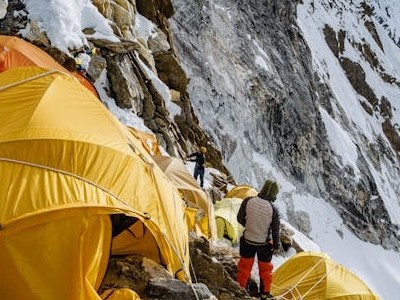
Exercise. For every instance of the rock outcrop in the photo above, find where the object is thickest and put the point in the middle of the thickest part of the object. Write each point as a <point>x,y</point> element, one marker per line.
<point>135,68</point>
<point>214,277</point>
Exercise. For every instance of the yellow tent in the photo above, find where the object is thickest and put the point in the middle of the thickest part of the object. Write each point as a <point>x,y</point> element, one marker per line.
<point>148,140</point>
<point>179,175</point>
<point>242,192</point>
<point>226,211</point>
<point>16,52</point>
<point>314,276</point>
<point>66,165</point>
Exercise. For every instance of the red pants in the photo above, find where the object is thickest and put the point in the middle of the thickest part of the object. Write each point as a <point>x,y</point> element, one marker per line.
<point>244,270</point>
<point>245,265</point>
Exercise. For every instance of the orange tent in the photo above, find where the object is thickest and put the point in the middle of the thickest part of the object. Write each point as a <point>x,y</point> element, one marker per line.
<point>16,52</point>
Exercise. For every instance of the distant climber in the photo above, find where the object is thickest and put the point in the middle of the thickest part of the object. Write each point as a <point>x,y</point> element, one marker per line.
<point>82,60</point>
<point>200,159</point>
<point>261,236</point>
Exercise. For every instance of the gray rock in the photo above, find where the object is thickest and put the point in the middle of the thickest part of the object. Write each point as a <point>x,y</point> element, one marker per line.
<point>252,80</point>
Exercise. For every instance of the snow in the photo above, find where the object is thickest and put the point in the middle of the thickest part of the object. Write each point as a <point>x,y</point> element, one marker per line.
<point>304,241</point>
<point>124,115</point>
<point>162,90</point>
<point>382,178</point>
<point>389,19</point>
<point>329,68</point>
<point>284,185</point>
<point>144,26</point>
<point>63,21</point>
<point>262,59</point>
<point>379,268</point>
<point>340,142</point>
<point>3,8</point>
<point>366,260</point>
<point>208,178</point>
<point>259,61</point>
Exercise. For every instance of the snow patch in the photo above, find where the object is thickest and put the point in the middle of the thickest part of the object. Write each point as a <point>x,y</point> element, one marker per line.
<point>3,8</point>
<point>63,22</point>
<point>340,142</point>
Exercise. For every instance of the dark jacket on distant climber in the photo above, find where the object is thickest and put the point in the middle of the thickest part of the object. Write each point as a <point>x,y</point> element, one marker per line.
<point>199,158</point>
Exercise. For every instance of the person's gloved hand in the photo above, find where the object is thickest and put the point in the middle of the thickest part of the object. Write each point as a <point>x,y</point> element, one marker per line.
<point>277,250</point>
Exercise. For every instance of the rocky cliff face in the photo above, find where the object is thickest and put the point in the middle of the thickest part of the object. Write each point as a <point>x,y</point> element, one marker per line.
<point>243,78</point>
<point>251,69</point>
<point>128,63</point>
<point>257,94</point>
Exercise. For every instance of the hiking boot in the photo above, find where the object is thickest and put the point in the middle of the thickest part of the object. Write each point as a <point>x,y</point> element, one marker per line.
<point>252,289</point>
<point>266,296</point>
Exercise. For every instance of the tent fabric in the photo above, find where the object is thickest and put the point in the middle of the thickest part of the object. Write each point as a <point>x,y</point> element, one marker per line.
<point>148,140</point>
<point>179,175</point>
<point>191,218</point>
<point>242,192</point>
<point>29,273</point>
<point>226,230</point>
<point>206,226</point>
<point>315,276</point>
<point>226,210</point>
<point>16,52</point>
<point>62,151</point>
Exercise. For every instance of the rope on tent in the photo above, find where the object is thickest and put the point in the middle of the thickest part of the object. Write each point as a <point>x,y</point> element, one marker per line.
<point>77,176</point>
<point>195,280</point>
<point>124,136</point>
<point>194,291</point>
<point>322,278</point>
<point>292,296</point>
<point>170,227</point>
<point>30,79</point>
<point>194,273</point>
<point>10,160</point>
<point>94,184</point>
<point>91,183</point>
<point>173,247</point>
<point>294,287</point>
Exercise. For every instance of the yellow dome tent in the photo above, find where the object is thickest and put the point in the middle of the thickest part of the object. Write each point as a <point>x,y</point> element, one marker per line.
<point>66,165</point>
<point>242,192</point>
<point>314,276</point>
<point>16,52</point>
<point>226,211</point>
<point>179,175</point>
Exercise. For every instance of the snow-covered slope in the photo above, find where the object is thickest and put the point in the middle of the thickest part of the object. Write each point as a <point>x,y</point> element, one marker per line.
<point>350,129</point>
<point>311,120</point>
<point>328,134</point>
